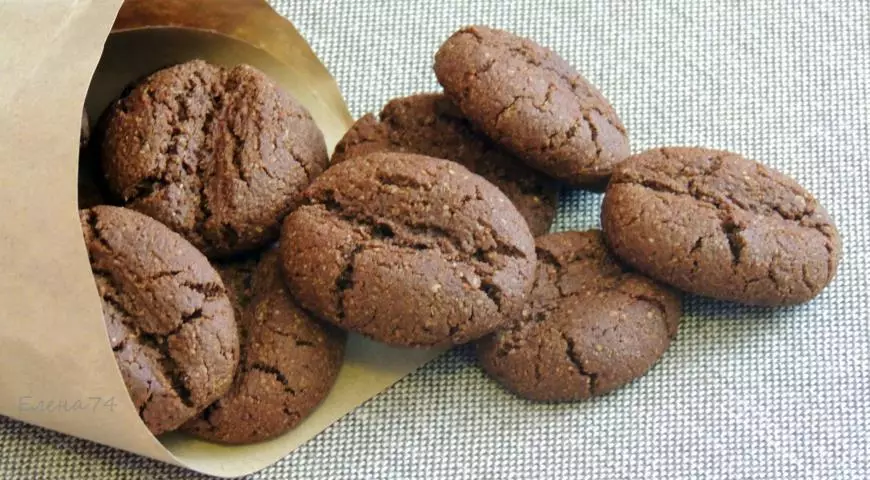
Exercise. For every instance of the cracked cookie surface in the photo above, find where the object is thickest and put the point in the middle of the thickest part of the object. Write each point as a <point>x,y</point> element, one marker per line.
<point>589,326</point>
<point>430,124</point>
<point>408,250</point>
<point>169,320</point>
<point>289,360</point>
<point>527,98</point>
<point>219,155</point>
<point>717,224</point>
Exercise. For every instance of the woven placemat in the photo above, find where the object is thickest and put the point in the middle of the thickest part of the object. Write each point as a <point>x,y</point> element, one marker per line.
<point>744,392</point>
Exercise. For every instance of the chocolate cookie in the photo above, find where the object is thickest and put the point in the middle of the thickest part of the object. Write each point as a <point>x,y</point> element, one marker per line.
<point>588,328</point>
<point>219,155</point>
<point>527,98</point>
<point>289,361</point>
<point>717,224</point>
<point>408,250</point>
<point>429,124</point>
<point>169,320</point>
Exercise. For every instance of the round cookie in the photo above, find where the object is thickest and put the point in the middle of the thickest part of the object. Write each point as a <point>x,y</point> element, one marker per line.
<point>408,250</point>
<point>588,328</point>
<point>219,155</point>
<point>429,124</point>
<point>527,98</point>
<point>169,320</point>
<point>714,223</point>
<point>289,361</point>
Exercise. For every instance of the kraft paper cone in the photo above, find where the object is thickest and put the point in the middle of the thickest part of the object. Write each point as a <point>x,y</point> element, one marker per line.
<point>56,367</point>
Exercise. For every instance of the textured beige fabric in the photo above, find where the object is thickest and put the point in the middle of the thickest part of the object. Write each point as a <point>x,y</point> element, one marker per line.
<point>744,392</point>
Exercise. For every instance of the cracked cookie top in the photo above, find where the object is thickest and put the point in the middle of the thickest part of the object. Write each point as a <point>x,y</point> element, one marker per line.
<point>429,124</point>
<point>408,250</point>
<point>589,326</point>
<point>717,224</point>
<point>219,155</point>
<point>169,320</point>
<point>288,365</point>
<point>527,98</point>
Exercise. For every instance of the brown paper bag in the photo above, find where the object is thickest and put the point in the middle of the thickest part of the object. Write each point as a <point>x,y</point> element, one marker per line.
<point>56,368</point>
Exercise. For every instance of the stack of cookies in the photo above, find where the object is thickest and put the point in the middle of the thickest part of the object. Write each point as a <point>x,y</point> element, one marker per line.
<point>237,256</point>
<point>198,166</point>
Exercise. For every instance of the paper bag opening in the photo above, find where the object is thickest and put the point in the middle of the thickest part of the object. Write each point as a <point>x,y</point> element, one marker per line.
<point>56,368</point>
